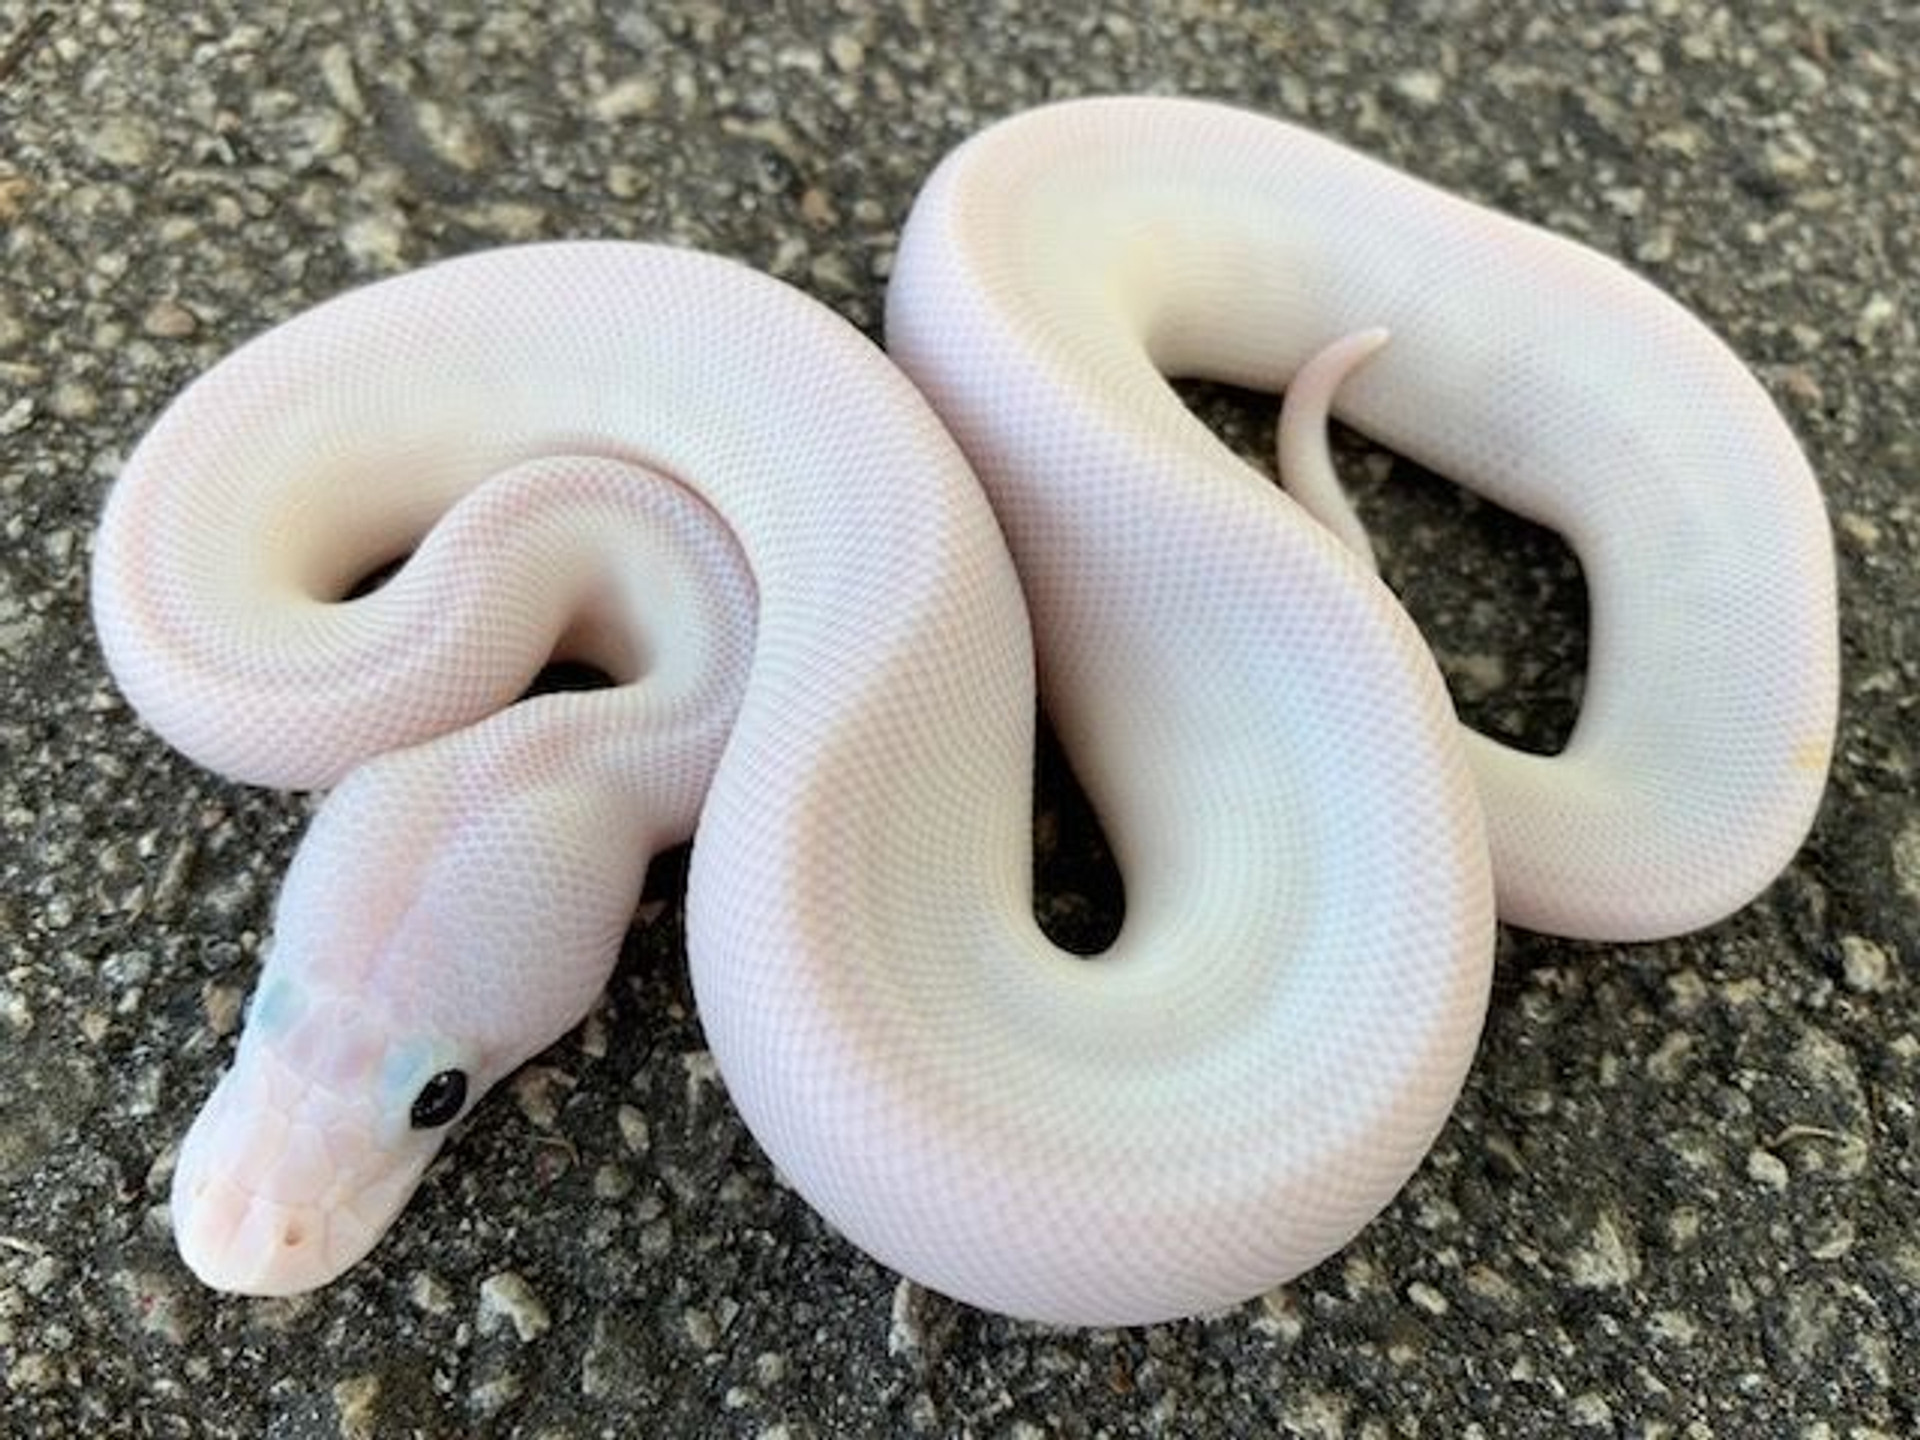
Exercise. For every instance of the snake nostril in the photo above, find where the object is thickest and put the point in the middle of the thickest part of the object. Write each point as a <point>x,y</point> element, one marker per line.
<point>294,1235</point>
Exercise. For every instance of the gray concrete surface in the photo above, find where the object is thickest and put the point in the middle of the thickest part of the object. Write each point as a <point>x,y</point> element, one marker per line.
<point>1679,1196</point>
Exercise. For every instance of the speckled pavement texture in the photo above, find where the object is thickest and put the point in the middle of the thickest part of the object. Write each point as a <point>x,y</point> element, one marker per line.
<point>1679,1195</point>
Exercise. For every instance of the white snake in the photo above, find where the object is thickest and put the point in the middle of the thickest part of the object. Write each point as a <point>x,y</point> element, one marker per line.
<point>705,484</point>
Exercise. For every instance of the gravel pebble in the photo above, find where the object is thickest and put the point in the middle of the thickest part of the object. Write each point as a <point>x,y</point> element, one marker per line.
<point>508,1299</point>
<point>1868,967</point>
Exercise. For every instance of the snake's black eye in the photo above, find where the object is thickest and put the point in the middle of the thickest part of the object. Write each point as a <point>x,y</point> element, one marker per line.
<point>439,1100</point>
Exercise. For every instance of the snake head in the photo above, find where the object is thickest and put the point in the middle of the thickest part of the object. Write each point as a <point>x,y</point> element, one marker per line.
<point>313,1140</point>
<point>426,942</point>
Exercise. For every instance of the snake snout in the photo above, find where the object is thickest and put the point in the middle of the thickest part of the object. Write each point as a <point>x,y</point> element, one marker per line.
<point>268,1201</point>
<point>242,1243</point>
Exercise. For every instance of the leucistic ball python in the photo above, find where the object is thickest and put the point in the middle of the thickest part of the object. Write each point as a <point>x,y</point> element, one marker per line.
<point>706,485</point>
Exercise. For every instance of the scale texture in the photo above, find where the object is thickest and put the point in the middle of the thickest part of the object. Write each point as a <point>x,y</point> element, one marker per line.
<point>1058,264</point>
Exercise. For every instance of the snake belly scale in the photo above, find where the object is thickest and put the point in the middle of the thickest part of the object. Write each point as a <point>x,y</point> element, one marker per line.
<point>708,486</point>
